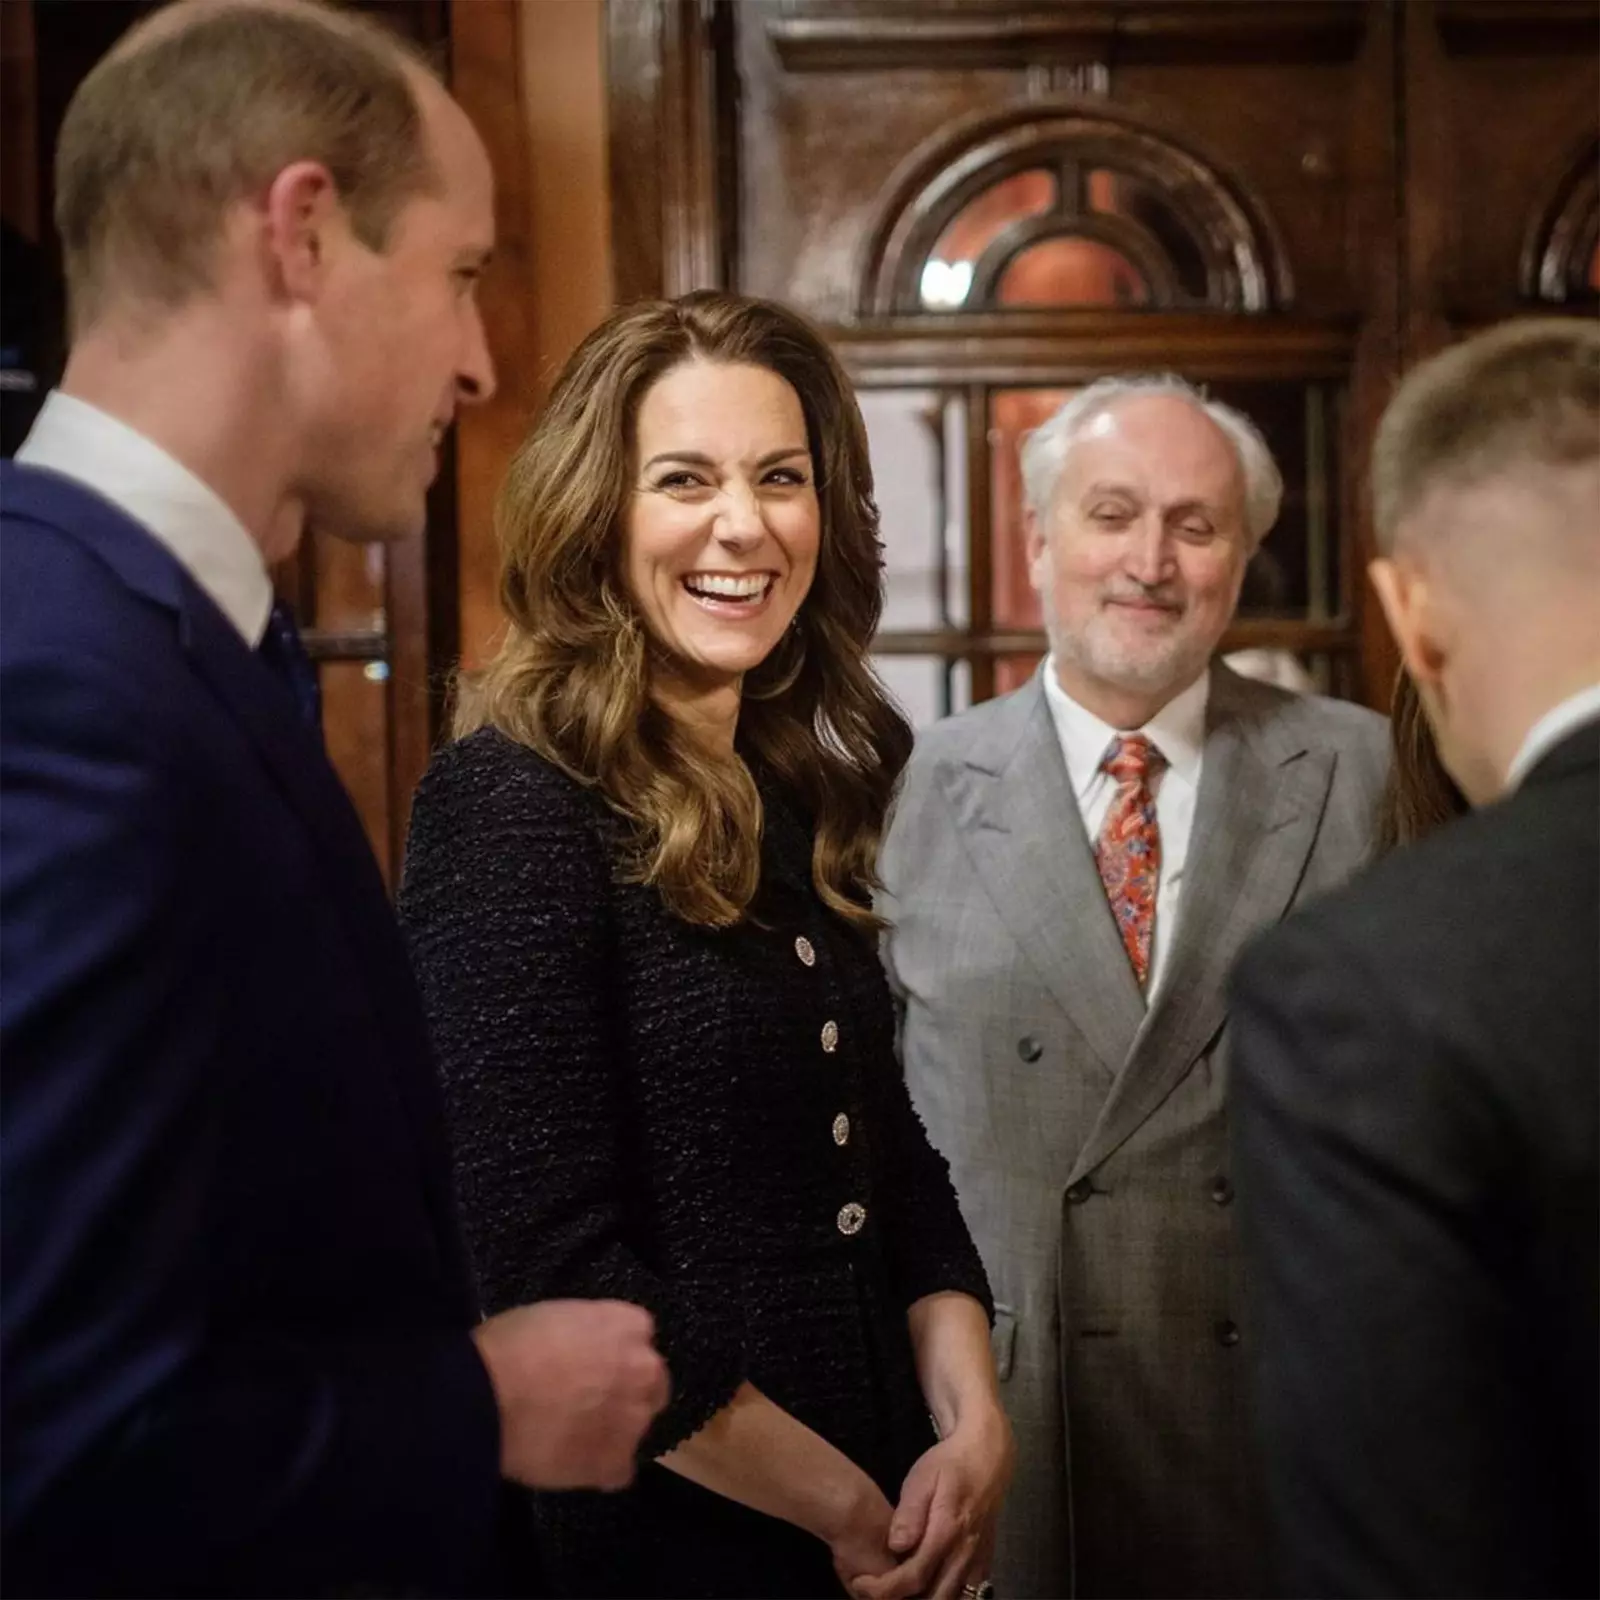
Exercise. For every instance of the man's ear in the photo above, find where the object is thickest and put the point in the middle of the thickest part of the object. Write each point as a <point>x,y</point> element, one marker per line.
<point>1036,544</point>
<point>1410,604</point>
<point>303,221</point>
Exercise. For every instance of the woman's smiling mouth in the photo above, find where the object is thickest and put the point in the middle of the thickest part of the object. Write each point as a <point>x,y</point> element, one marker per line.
<point>731,594</point>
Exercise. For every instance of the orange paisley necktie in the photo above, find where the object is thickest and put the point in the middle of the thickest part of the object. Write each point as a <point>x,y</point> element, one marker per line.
<point>1128,851</point>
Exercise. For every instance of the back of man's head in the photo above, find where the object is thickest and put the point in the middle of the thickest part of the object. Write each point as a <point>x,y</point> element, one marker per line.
<point>197,109</point>
<point>1520,403</point>
<point>1486,493</point>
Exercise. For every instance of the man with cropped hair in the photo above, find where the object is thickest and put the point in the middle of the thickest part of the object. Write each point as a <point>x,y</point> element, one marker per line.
<point>241,1345</point>
<point>1418,1057</point>
<point>1070,871</point>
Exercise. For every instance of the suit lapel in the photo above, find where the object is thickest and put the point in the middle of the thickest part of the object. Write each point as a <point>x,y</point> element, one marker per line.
<point>301,770</point>
<point>1262,794</point>
<point>1019,820</point>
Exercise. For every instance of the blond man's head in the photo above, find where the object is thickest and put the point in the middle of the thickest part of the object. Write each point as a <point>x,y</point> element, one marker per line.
<point>1486,496</point>
<point>197,109</point>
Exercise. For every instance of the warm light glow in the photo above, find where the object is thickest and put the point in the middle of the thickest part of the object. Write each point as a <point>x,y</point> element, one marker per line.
<point>945,283</point>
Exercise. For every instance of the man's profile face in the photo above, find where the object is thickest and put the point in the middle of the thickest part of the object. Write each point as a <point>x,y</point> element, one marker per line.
<point>405,344</point>
<point>1139,559</point>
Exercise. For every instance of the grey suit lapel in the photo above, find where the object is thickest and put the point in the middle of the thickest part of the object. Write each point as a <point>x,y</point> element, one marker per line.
<point>1262,794</point>
<point>1019,820</point>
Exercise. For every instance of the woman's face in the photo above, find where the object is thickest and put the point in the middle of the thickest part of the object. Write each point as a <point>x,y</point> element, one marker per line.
<point>721,531</point>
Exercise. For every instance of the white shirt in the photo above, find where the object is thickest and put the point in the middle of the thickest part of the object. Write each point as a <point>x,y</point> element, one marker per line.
<point>1178,731</point>
<point>1554,726</point>
<point>81,442</point>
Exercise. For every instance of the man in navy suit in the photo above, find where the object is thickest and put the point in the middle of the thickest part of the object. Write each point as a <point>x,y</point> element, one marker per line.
<point>1417,1059</point>
<point>241,1347</point>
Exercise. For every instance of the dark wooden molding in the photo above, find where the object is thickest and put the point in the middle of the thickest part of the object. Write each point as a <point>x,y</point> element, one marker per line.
<point>870,35</point>
<point>1517,27</point>
<point>1246,266</point>
<point>1025,348</point>
<point>673,188</point>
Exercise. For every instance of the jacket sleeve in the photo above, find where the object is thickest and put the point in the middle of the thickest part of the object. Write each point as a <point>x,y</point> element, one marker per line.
<point>149,1446</point>
<point>1370,1193</point>
<point>929,1247</point>
<point>505,897</point>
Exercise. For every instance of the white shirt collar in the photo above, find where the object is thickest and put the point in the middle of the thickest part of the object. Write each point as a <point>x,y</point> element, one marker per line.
<point>82,442</point>
<point>1177,730</point>
<point>1551,729</point>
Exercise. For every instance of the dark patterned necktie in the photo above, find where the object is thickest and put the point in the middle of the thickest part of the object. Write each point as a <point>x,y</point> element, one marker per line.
<point>282,650</point>
<point>1128,851</point>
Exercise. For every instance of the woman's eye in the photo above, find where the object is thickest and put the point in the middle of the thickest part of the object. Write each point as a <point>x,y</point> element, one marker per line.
<point>787,477</point>
<point>679,481</point>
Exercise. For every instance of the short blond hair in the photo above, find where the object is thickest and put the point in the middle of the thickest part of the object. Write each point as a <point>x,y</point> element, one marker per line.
<point>200,107</point>
<point>1526,393</point>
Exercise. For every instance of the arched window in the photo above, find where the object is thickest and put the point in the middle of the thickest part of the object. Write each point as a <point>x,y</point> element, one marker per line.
<point>1068,210</point>
<point>1561,259</point>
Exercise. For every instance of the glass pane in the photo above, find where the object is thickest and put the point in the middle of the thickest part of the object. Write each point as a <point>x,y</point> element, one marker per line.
<point>1296,572</point>
<point>919,478</point>
<point>1071,271</point>
<point>1013,414</point>
<point>947,274</point>
<point>925,687</point>
<point>355,728</point>
<point>1121,194</point>
<point>349,584</point>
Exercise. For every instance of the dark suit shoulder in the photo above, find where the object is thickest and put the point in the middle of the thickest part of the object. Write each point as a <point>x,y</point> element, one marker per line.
<point>1487,927</point>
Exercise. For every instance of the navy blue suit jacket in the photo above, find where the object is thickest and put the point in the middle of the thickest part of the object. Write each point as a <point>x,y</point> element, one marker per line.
<point>235,1306</point>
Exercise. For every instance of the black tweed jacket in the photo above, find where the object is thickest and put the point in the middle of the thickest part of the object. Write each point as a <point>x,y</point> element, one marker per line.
<point>709,1123</point>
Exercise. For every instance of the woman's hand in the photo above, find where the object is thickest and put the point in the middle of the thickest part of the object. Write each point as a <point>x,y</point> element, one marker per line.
<point>860,1543</point>
<point>943,1529</point>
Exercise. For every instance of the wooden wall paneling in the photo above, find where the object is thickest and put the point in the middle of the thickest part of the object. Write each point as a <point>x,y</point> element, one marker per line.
<point>673,160</point>
<point>634,88</point>
<point>485,76</point>
<point>1371,245</point>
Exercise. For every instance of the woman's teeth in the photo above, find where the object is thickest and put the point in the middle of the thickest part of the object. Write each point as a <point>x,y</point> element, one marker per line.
<point>727,588</point>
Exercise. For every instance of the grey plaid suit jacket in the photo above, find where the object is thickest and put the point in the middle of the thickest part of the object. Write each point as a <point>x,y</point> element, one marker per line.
<point>1086,1134</point>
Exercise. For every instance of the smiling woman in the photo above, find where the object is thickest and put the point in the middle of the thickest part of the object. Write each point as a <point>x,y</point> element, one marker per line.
<point>638,893</point>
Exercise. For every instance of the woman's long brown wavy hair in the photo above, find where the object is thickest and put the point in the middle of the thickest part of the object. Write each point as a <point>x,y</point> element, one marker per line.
<point>572,679</point>
<point>1420,794</point>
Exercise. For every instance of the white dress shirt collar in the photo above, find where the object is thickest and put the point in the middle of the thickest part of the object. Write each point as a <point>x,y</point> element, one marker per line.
<point>1549,731</point>
<point>1177,730</point>
<point>81,442</point>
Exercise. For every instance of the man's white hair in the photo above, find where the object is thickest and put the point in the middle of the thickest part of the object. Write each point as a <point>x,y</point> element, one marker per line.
<point>1044,451</point>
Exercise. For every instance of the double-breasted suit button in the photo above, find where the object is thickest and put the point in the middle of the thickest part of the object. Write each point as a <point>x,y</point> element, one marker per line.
<point>830,1036</point>
<point>1221,1191</point>
<point>806,951</point>
<point>1079,1192</point>
<point>851,1218</point>
<point>1228,1332</point>
<point>841,1129</point>
<point>1029,1048</point>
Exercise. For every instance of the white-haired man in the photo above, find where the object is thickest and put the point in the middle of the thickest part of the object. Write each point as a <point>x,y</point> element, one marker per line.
<point>1069,874</point>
